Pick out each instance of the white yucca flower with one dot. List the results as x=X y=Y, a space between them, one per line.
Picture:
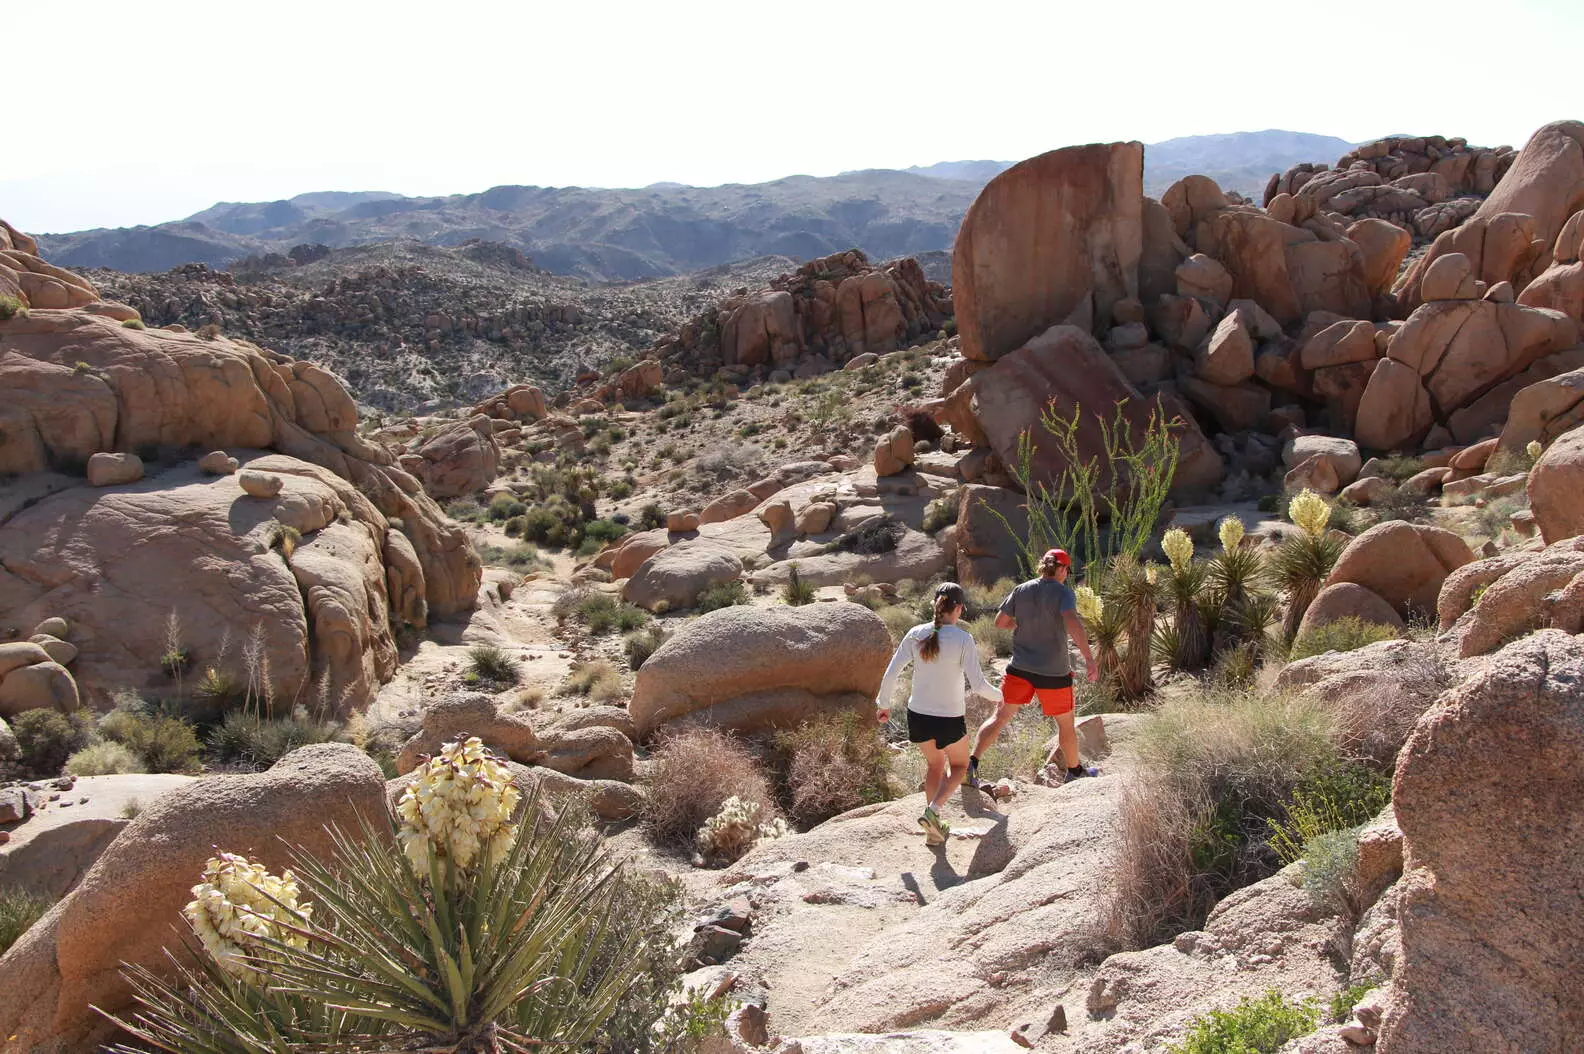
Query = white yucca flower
x=1309 y=511
x=1534 y=449
x=1231 y=532
x=238 y=908
x=1090 y=606
x=1178 y=548
x=459 y=805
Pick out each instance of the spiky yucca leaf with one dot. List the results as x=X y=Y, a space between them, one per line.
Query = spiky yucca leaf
x=1299 y=568
x=499 y=958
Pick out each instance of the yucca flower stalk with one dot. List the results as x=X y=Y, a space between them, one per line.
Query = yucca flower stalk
x=1185 y=584
x=1303 y=561
x=1234 y=573
x=494 y=936
x=1105 y=624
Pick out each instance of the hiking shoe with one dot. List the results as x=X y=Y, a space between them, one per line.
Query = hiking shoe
x=973 y=772
x=1080 y=772
x=934 y=827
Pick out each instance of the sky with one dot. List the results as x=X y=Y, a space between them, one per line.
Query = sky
x=143 y=114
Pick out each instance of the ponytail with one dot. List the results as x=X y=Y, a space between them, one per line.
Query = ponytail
x=931 y=646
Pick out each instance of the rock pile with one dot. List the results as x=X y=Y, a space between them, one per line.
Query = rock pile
x=290 y=573
x=829 y=311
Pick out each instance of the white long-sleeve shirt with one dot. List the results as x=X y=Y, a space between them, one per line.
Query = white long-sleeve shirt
x=938 y=683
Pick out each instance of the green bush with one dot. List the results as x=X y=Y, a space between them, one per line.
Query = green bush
x=1343 y=1002
x=263 y=741
x=104 y=759
x=19 y=910
x=466 y=510
x=521 y=556
x=133 y=323
x=642 y=644
x=898 y=620
x=830 y=765
x=796 y=591
x=1338 y=797
x=723 y=595
x=992 y=640
x=11 y=307
x=46 y=738
x=166 y=744
x=1254 y=1026
x=939 y=514
x=488 y=663
x=1345 y=634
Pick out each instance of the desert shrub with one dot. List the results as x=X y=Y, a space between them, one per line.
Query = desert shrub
x=691 y=774
x=939 y=514
x=728 y=835
x=12 y=307
x=163 y=742
x=488 y=663
x=830 y=765
x=598 y=680
x=1338 y=797
x=1496 y=516
x=19 y=910
x=263 y=741
x=466 y=510
x=522 y=556
x=1213 y=769
x=1330 y=871
x=797 y=592
x=639 y=645
x=104 y=759
x=46 y=738
x=1019 y=753
x=727 y=462
x=134 y=323
x=1400 y=504
x=398 y=954
x=723 y=595
x=500 y=507
x=1343 y=1002
x=993 y=641
x=898 y=620
x=651 y=517
x=1345 y=634
x=1400 y=468
x=217 y=690
x=603 y=531
x=882 y=536
x=1254 y=1026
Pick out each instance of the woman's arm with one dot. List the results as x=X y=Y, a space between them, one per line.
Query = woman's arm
x=976 y=678
x=904 y=655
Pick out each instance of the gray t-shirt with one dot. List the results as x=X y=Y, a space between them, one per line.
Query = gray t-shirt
x=1039 y=643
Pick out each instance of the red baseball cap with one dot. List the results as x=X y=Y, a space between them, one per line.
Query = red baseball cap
x=1059 y=555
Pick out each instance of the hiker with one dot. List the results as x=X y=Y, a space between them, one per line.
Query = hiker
x=1042 y=614
x=946 y=655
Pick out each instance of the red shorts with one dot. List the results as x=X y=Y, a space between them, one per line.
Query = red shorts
x=1015 y=691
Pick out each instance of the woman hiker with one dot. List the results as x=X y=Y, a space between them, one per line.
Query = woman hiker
x=1042 y=614
x=946 y=656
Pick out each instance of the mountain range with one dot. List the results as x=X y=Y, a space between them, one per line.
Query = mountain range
x=659 y=230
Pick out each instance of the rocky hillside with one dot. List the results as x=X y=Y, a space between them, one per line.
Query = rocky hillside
x=407 y=324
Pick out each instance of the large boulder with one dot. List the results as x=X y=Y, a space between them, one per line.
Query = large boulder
x=41 y=686
x=466 y=714
x=185 y=554
x=751 y=669
x=1402 y=563
x=1348 y=600
x=1055 y=237
x=1556 y=487
x=674 y=577
x=1508 y=236
x=127 y=909
x=1492 y=912
x=460 y=459
x=1065 y=369
x=1493 y=601
x=990 y=522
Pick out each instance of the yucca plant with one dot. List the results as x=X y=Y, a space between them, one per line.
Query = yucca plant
x=1133 y=588
x=1235 y=574
x=1302 y=562
x=1185 y=586
x=465 y=933
x=1105 y=623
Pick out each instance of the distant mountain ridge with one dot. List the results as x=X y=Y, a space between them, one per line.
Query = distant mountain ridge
x=660 y=230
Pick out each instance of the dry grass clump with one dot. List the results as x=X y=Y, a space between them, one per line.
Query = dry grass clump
x=691 y=774
x=598 y=681
x=1214 y=769
x=831 y=764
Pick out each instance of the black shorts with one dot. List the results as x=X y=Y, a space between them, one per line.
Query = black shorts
x=943 y=730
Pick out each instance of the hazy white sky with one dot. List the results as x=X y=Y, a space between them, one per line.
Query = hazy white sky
x=151 y=112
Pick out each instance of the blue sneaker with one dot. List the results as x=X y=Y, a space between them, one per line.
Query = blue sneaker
x=1080 y=772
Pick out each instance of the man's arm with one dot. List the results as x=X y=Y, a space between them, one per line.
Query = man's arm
x=1075 y=630
x=1005 y=621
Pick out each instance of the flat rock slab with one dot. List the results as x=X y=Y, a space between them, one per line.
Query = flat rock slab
x=49 y=852
x=925 y=1041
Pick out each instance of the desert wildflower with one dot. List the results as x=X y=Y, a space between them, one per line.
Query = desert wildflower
x=239 y=907
x=1178 y=548
x=1309 y=511
x=459 y=805
x=1090 y=606
x=1534 y=449
x=1231 y=532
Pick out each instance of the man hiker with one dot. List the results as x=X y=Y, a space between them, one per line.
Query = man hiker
x=1042 y=614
